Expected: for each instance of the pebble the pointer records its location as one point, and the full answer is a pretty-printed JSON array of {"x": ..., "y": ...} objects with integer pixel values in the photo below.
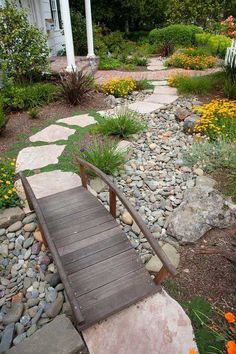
[
  {"x": 19, "y": 338},
  {"x": 15, "y": 227},
  {"x": 30, "y": 227},
  {"x": 127, "y": 218}
]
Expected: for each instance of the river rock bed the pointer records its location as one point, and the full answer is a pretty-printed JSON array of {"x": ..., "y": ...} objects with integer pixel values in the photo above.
[{"x": 31, "y": 293}]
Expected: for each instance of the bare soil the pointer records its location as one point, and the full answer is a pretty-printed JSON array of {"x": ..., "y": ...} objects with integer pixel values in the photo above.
[
  {"x": 209, "y": 275},
  {"x": 20, "y": 123}
]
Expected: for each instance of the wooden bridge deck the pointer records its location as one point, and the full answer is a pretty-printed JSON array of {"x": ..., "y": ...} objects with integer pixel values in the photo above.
[{"x": 103, "y": 270}]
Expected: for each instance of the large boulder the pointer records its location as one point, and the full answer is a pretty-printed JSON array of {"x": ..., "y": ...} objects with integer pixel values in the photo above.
[
  {"x": 202, "y": 209},
  {"x": 10, "y": 216}
]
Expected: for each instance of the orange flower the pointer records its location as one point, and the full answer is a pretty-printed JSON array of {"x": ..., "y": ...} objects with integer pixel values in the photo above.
[
  {"x": 229, "y": 316},
  {"x": 192, "y": 351},
  {"x": 231, "y": 347}
]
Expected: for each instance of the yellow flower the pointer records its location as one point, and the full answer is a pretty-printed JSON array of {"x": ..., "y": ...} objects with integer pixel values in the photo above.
[{"x": 8, "y": 182}]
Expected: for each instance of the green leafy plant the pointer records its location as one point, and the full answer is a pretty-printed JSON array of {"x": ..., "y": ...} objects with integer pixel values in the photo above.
[
  {"x": 3, "y": 119},
  {"x": 76, "y": 85},
  {"x": 103, "y": 154},
  {"x": 8, "y": 195},
  {"x": 109, "y": 63},
  {"x": 23, "y": 97},
  {"x": 143, "y": 85},
  {"x": 33, "y": 113},
  {"x": 23, "y": 47},
  {"x": 176, "y": 34},
  {"x": 230, "y": 82},
  {"x": 186, "y": 61},
  {"x": 216, "y": 44},
  {"x": 123, "y": 123},
  {"x": 197, "y": 85}
]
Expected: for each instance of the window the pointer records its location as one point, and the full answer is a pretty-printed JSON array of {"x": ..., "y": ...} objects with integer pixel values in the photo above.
[{"x": 56, "y": 13}]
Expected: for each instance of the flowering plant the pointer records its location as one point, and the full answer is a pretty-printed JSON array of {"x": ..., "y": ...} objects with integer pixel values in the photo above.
[
  {"x": 218, "y": 118},
  {"x": 189, "y": 61},
  {"x": 229, "y": 27},
  {"x": 119, "y": 87},
  {"x": 8, "y": 195}
]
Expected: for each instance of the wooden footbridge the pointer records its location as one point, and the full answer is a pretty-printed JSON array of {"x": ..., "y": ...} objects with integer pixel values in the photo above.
[{"x": 101, "y": 272}]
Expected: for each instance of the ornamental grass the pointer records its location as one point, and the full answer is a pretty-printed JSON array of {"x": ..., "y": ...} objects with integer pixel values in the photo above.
[
  {"x": 189, "y": 61},
  {"x": 119, "y": 87},
  {"x": 8, "y": 195}
]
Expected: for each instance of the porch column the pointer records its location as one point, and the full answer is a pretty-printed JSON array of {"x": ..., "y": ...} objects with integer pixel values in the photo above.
[
  {"x": 89, "y": 27},
  {"x": 65, "y": 14}
]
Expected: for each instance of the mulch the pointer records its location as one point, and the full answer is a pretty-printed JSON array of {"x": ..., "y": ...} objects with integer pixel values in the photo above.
[
  {"x": 20, "y": 123},
  {"x": 211, "y": 276}
]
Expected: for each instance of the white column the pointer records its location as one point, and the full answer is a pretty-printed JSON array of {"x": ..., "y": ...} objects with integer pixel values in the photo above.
[
  {"x": 89, "y": 27},
  {"x": 65, "y": 13}
]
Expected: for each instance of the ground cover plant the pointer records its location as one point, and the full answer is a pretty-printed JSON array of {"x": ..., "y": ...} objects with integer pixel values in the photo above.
[
  {"x": 76, "y": 85},
  {"x": 23, "y": 97},
  {"x": 198, "y": 85},
  {"x": 104, "y": 155},
  {"x": 8, "y": 195},
  {"x": 119, "y": 87},
  {"x": 217, "y": 119},
  {"x": 122, "y": 124},
  {"x": 143, "y": 85}
]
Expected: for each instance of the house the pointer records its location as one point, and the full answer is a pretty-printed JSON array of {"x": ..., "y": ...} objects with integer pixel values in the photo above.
[{"x": 53, "y": 17}]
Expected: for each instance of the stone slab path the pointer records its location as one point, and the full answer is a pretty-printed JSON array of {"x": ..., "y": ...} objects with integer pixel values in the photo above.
[
  {"x": 52, "y": 133},
  {"x": 156, "y": 64},
  {"x": 34, "y": 157},
  {"x": 82, "y": 120},
  {"x": 157, "y": 325}
]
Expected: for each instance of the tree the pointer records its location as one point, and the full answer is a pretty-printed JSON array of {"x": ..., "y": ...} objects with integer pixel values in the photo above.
[
  {"x": 23, "y": 47},
  {"x": 198, "y": 12}
]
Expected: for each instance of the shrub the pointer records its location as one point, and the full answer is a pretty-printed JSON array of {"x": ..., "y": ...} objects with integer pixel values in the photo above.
[
  {"x": 24, "y": 97},
  {"x": 78, "y": 24},
  {"x": 218, "y": 118},
  {"x": 195, "y": 52},
  {"x": 103, "y": 155},
  {"x": 123, "y": 123},
  {"x": 229, "y": 27},
  {"x": 23, "y": 47},
  {"x": 211, "y": 155},
  {"x": 119, "y": 87},
  {"x": 138, "y": 61},
  {"x": 8, "y": 195},
  {"x": 185, "y": 61},
  {"x": 176, "y": 34},
  {"x": 76, "y": 85},
  {"x": 216, "y": 44},
  {"x": 197, "y": 85},
  {"x": 143, "y": 85}
]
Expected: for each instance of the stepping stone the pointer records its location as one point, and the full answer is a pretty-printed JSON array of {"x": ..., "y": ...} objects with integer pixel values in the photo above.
[
  {"x": 35, "y": 157},
  {"x": 57, "y": 337},
  {"x": 165, "y": 90},
  {"x": 82, "y": 120},
  {"x": 48, "y": 183},
  {"x": 159, "y": 83},
  {"x": 164, "y": 99},
  {"x": 109, "y": 111},
  {"x": 143, "y": 107},
  {"x": 52, "y": 133},
  {"x": 158, "y": 322},
  {"x": 156, "y": 67}
]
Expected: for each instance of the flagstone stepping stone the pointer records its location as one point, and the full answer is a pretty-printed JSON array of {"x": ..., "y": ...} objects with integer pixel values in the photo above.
[
  {"x": 48, "y": 183},
  {"x": 82, "y": 120},
  {"x": 159, "y": 323},
  {"x": 107, "y": 112},
  {"x": 143, "y": 107},
  {"x": 158, "y": 99},
  {"x": 165, "y": 90},
  {"x": 159, "y": 83},
  {"x": 52, "y": 133},
  {"x": 35, "y": 157}
]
